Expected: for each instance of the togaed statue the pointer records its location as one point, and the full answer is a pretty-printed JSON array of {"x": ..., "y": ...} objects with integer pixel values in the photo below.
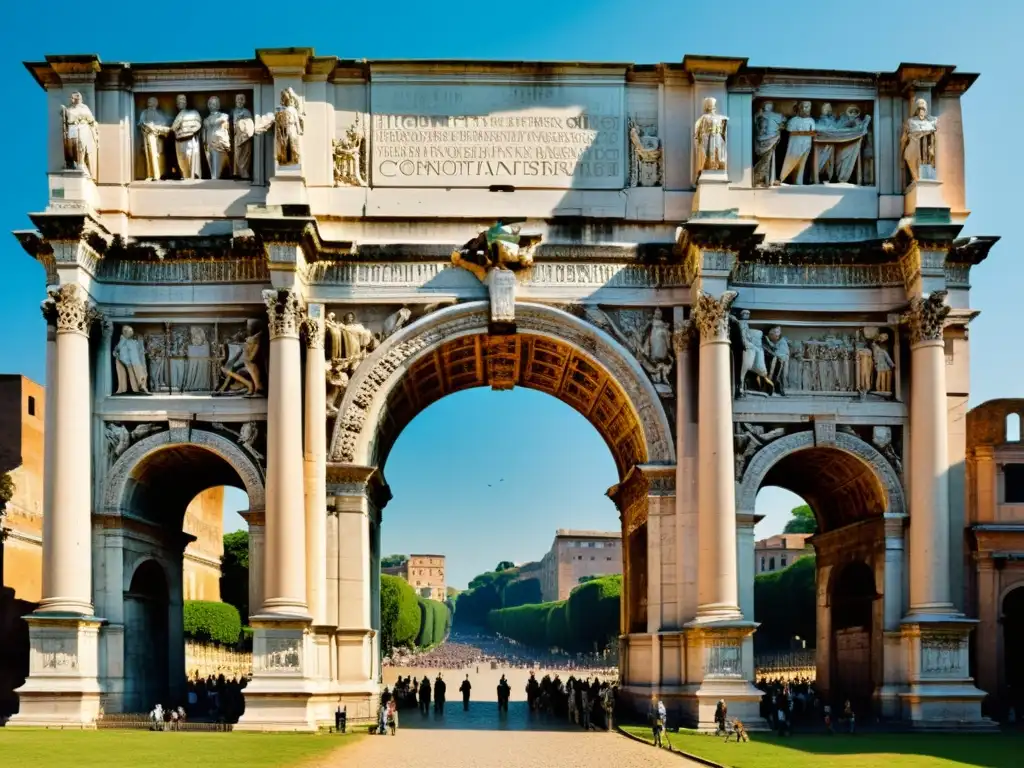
[
  {"x": 290, "y": 127},
  {"x": 81, "y": 136},
  {"x": 130, "y": 362},
  {"x": 501, "y": 246}
]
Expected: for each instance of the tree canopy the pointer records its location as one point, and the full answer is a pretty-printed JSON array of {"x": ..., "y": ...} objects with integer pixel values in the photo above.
[
  {"x": 234, "y": 572},
  {"x": 505, "y": 565},
  {"x": 393, "y": 561},
  {"x": 802, "y": 521}
]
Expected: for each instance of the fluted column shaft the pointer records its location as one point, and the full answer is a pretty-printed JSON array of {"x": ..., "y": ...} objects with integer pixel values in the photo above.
[
  {"x": 929, "y": 458},
  {"x": 315, "y": 465},
  {"x": 67, "y": 540},
  {"x": 717, "y": 592},
  {"x": 285, "y": 564}
]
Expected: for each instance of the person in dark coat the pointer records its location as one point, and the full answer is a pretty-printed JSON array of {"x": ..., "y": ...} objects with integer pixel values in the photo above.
[
  {"x": 465, "y": 688},
  {"x": 439, "y": 694},
  {"x": 425, "y": 695}
]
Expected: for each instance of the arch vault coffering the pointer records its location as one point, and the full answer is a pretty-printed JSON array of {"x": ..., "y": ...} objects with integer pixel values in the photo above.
[
  {"x": 198, "y": 459},
  {"x": 844, "y": 482},
  {"x": 552, "y": 351}
]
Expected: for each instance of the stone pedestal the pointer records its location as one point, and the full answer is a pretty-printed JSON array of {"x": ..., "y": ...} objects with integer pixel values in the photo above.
[
  {"x": 280, "y": 695},
  {"x": 712, "y": 193},
  {"x": 72, "y": 190},
  {"x": 62, "y": 688},
  {"x": 923, "y": 195},
  {"x": 288, "y": 187},
  {"x": 715, "y": 658}
]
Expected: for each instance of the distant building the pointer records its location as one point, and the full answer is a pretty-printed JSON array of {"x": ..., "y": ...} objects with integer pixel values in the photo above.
[
  {"x": 575, "y": 555},
  {"x": 778, "y": 552},
  {"x": 425, "y": 574},
  {"x": 204, "y": 519}
]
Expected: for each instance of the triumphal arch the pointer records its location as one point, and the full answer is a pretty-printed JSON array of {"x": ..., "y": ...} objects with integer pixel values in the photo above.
[{"x": 260, "y": 271}]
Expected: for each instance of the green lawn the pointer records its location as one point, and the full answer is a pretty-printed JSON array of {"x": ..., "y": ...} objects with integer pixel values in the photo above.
[
  {"x": 28, "y": 748},
  {"x": 766, "y": 750}
]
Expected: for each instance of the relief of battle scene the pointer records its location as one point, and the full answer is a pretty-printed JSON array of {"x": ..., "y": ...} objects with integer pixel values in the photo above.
[
  {"x": 800, "y": 361},
  {"x": 645, "y": 333}
]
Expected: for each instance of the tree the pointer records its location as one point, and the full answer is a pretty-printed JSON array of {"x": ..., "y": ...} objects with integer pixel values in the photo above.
[
  {"x": 802, "y": 521},
  {"x": 6, "y": 494},
  {"x": 505, "y": 565},
  {"x": 784, "y": 604},
  {"x": 393, "y": 561},
  {"x": 234, "y": 572}
]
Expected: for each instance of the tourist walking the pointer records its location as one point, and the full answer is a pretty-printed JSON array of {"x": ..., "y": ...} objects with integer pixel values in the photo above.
[
  {"x": 721, "y": 714},
  {"x": 382, "y": 719},
  {"x": 849, "y": 716},
  {"x": 425, "y": 695},
  {"x": 392, "y": 718},
  {"x": 439, "y": 694},
  {"x": 465, "y": 688}
]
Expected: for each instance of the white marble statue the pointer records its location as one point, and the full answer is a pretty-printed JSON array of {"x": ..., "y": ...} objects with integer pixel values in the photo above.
[
  {"x": 645, "y": 156},
  {"x": 186, "y": 127},
  {"x": 918, "y": 142},
  {"x": 801, "y": 141},
  {"x": 338, "y": 377},
  {"x": 217, "y": 139},
  {"x": 130, "y": 362},
  {"x": 244, "y": 131},
  {"x": 849, "y": 153},
  {"x": 155, "y": 126},
  {"x": 81, "y": 136},
  {"x": 777, "y": 347},
  {"x": 350, "y": 340},
  {"x": 198, "y": 374},
  {"x": 826, "y": 150},
  {"x": 395, "y": 322},
  {"x": 289, "y": 127},
  {"x": 348, "y": 157},
  {"x": 709, "y": 139},
  {"x": 767, "y": 133},
  {"x": 657, "y": 353},
  {"x": 241, "y": 368},
  {"x": 117, "y": 439}
]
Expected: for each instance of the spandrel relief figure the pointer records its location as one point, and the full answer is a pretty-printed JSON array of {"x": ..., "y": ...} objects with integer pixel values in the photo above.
[
  {"x": 918, "y": 142},
  {"x": 395, "y": 322},
  {"x": 350, "y": 340},
  {"x": 767, "y": 133},
  {"x": 244, "y": 131},
  {"x": 748, "y": 439},
  {"x": 289, "y": 127},
  {"x": 120, "y": 438},
  {"x": 81, "y": 136},
  {"x": 657, "y": 355},
  {"x": 645, "y": 156},
  {"x": 801, "y": 139},
  {"x": 650, "y": 341},
  {"x": 155, "y": 127},
  {"x": 241, "y": 367},
  {"x": 186, "y": 127},
  {"x": 752, "y": 359},
  {"x": 339, "y": 373},
  {"x": 130, "y": 363},
  {"x": 217, "y": 139},
  {"x": 349, "y": 157},
  {"x": 882, "y": 439},
  {"x": 709, "y": 139}
]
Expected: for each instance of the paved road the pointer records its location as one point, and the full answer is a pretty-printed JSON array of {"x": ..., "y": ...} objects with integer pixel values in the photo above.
[{"x": 450, "y": 748}]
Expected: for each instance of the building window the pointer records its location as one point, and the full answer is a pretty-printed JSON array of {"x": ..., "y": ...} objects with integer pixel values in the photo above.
[
  {"x": 783, "y": 562},
  {"x": 762, "y": 564},
  {"x": 580, "y": 557},
  {"x": 608, "y": 558},
  {"x": 1012, "y": 427},
  {"x": 599, "y": 545},
  {"x": 590, "y": 544},
  {"x": 1013, "y": 484},
  {"x": 31, "y": 406},
  {"x": 771, "y": 563},
  {"x": 593, "y": 558}
]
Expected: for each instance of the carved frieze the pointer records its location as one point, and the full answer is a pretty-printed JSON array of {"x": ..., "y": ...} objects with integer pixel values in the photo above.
[
  {"x": 121, "y": 436},
  {"x": 350, "y": 157},
  {"x": 723, "y": 657},
  {"x": 943, "y": 655},
  {"x": 247, "y": 436},
  {"x": 818, "y": 275},
  {"x": 645, "y": 154},
  {"x": 748, "y": 439},
  {"x": 646, "y": 334}
]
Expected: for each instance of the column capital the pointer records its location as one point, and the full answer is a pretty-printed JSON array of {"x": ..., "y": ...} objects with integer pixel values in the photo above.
[
  {"x": 313, "y": 332},
  {"x": 284, "y": 311},
  {"x": 69, "y": 306},
  {"x": 345, "y": 479},
  {"x": 711, "y": 315},
  {"x": 926, "y": 317},
  {"x": 682, "y": 336}
]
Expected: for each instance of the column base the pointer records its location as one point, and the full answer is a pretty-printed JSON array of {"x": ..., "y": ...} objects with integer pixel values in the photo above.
[
  {"x": 717, "y": 669},
  {"x": 62, "y": 689},
  {"x": 940, "y": 694}
]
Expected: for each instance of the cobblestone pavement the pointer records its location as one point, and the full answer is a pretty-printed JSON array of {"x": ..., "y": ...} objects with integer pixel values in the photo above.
[{"x": 482, "y": 740}]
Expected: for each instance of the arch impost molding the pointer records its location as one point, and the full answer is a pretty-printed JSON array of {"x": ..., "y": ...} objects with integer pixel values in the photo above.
[
  {"x": 353, "y": 435},
  {"x": 772, "y": 453},
  {"x": 640, "y": 483},
  {"x": 115, "y": 498},
  {"x": 345, "y": 479},
  {"x": 255, "y": 516}
]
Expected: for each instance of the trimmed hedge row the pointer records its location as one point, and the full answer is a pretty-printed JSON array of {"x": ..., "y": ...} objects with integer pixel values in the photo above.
[
  {"x": 434, "y": 623},
  {"x": 588, "y": 620},
  {"x": 784, "y": 603},
  {"x": 212, "y": 622},
  {"x": 399, "y": 613}
]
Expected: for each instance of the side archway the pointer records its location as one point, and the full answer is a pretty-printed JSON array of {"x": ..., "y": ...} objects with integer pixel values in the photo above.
[{"x": 567, "y": 357}]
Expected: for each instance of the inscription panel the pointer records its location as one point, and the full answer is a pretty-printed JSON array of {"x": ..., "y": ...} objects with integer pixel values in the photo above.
[{"x": 537, "y": 135}]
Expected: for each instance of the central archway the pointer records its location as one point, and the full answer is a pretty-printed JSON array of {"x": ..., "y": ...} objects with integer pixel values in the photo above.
[{"x": 552, "y": 351}]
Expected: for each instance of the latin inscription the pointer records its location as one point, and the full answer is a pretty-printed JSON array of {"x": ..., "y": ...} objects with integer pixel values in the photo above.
[{"x": 549, "y": 136}]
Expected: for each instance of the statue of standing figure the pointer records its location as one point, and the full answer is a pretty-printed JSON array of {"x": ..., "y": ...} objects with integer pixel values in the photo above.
[
  {"x": 884, "y": 365},
  {"x": 245, "y": 130},
  {"x": 217, "y": 139},
  {"x": 81, "y": 137},
  {"x": 768, "y": 131},
  {"x": 155, "y": 127},
  {"x": 801, "y": 141},
  {"x": 709, "y": 135},
  {"x": 290, "y": 126},
  {"x": 130, "y": 362},
  {"x": 186, "y": 127},
  {"x": 918, "y": 142},
  {"x": 657, "y": 355}
]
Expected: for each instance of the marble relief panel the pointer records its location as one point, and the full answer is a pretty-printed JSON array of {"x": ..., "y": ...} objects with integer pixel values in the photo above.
[{"x": 226, "y": 358}]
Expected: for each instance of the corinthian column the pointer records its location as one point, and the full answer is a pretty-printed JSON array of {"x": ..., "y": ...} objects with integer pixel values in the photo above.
[
  {"x": 67, "y": 547},
  {"x": 929, "y": 457},
  {"x": 285, "y": 566},
  {"x": 717, "y": 596},
  {"x": 315, "y": 465}
]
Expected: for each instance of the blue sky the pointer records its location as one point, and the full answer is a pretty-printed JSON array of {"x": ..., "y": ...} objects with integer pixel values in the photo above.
[{"x": 554, "y": 464}]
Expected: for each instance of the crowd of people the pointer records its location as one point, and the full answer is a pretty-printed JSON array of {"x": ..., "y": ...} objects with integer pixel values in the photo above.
[
  {"x": 216, "y": 698},
  {"x": 789, "y": 704},
  {"x": 586, "y": 703}
]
